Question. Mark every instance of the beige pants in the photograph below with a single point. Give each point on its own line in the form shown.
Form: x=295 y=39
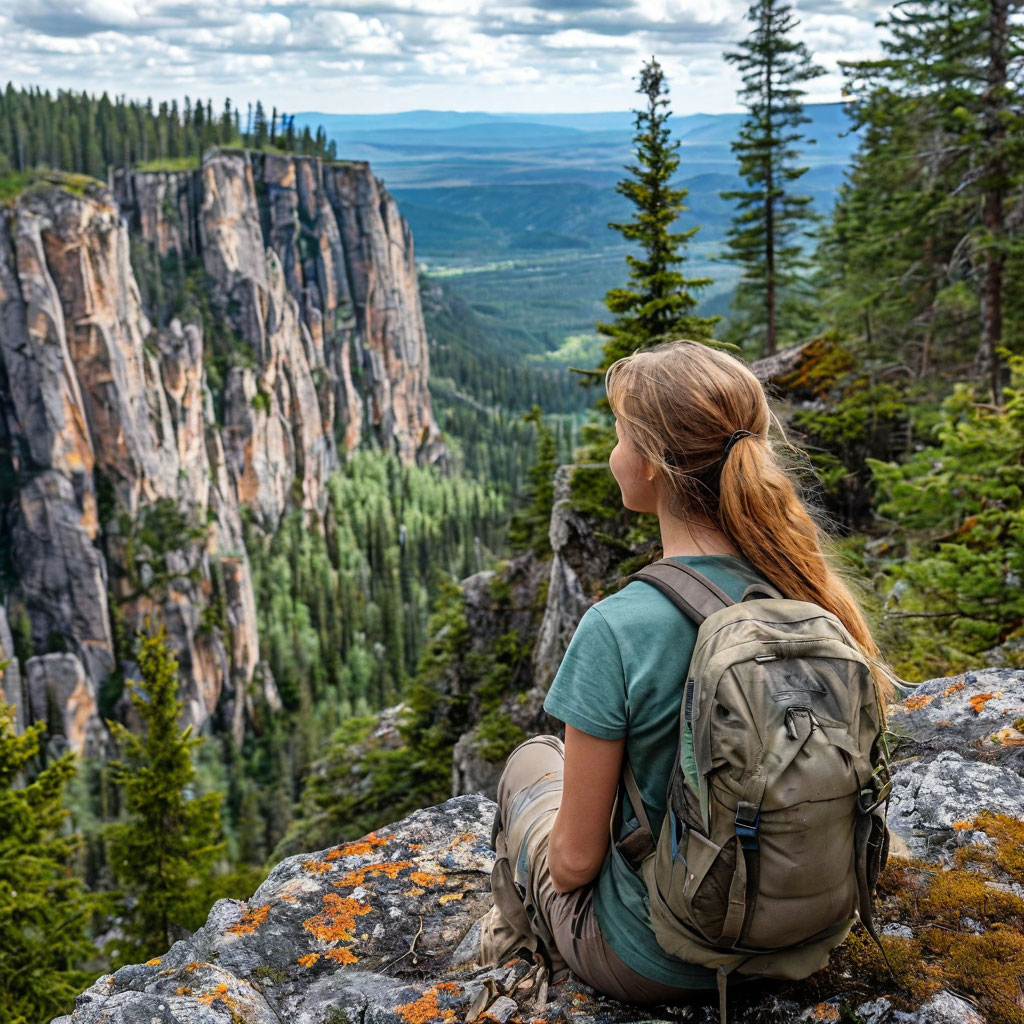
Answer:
x=528 y=911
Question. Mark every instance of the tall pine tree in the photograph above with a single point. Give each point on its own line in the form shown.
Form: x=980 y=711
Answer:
x=171 y=838
x=765 y=236
x=44 y=912
x=658 y=302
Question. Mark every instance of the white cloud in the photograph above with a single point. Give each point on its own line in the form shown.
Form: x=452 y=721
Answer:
x=399 y=54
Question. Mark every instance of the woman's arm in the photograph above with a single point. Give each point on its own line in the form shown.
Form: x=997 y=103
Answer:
x=579 y=837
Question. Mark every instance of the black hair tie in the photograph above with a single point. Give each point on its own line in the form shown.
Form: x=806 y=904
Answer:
x=733 y=438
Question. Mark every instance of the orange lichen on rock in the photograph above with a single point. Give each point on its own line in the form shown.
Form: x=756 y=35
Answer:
x=359 y=848
x=825 y=1011
x=337 y=920
x=466 y=837
x=183 y=990
x=388 y=868
x=220 y=994
x=342 y=955
x=190 y=967
x=316 y=867
x=953 y=688
x=962 y=826
x=155 y=962
x=1008 y=737
x=428 y=879
x=427 y=1009
x=922 y=700
x=979 y=700
x=252 y=920
x=308 y=960
x=414 y=891
x=449 y=897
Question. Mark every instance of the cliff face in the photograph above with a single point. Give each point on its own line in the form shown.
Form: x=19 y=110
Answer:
x=137 y=426
x=314 y=268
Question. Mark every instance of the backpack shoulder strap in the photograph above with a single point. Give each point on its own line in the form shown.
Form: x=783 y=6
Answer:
x=693 y=594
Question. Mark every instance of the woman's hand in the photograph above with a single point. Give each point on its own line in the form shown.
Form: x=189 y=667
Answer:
x=579 y=838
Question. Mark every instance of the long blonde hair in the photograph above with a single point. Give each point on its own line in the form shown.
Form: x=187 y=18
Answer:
x=679 y=404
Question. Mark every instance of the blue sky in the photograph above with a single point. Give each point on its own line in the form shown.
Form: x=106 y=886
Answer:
x=373 y=56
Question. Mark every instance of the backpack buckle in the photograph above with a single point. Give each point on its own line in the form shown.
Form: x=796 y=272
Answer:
x=748 y=819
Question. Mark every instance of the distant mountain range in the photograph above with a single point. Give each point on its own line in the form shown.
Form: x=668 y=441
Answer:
x=508 y=199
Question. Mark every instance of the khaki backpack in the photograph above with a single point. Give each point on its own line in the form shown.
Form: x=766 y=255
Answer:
x=775 y=831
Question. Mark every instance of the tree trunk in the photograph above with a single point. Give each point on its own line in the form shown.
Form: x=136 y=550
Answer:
x=771 y=314
x=993 y=179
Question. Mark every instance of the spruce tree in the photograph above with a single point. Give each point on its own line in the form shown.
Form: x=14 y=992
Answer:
x=530 y=525
x=765 y=236
x=44 y=912
x=658 y=302
x=171 y=838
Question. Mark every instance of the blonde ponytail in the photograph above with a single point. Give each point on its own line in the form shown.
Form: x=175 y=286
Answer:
x=681 y=405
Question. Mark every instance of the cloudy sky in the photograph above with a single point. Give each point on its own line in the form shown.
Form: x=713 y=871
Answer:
x=372 y=56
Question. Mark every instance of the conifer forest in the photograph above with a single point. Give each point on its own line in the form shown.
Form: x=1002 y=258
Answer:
x=282 y=647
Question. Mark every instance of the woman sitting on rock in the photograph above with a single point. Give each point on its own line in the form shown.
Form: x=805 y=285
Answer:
x=693 y=449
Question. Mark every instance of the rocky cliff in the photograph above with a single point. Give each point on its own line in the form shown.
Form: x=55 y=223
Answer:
x=174 y=350
x=383 y=929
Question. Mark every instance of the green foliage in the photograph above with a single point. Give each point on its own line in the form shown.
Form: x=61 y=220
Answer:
x=846 y=416
x=44 y=912
x=765 y=238
x=922 y=252
x=163 y=852
x=657 y=304
x=530 y=524
x=497 y=736
x=595 y=495
x=955 y=569
x=160 y=528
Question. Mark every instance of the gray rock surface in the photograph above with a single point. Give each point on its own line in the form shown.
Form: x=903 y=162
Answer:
x=59 y=690
x=974 y=710
x=943 y=1008
x=959 y=752
x=930 y=797
x=573 y=549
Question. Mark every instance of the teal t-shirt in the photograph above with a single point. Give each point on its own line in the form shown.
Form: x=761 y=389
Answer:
x=623 y=675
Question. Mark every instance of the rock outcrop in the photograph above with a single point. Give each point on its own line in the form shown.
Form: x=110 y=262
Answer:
x=332 y=239
x=171 y=351
x=382 y=929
